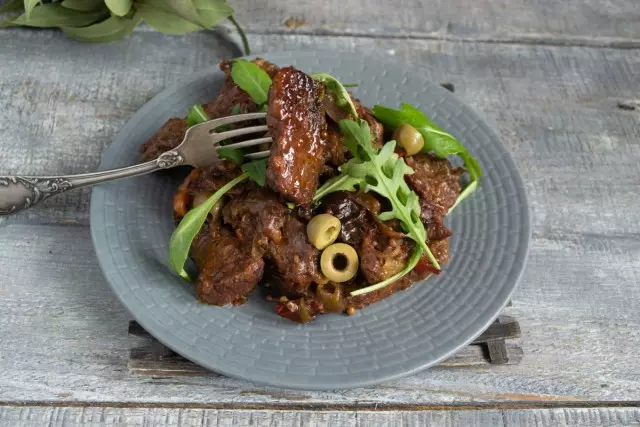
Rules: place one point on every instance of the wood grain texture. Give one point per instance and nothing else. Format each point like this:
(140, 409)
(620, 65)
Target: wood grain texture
(584, 22)
(64, 335)
(170, 417)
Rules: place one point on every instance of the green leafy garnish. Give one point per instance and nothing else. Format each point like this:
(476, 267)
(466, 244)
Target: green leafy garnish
(436, 140)
(383, 172)
(342, 182)
(190, 225)
(97, 20)
(252, 79)
(350, 84)
(256, 170)
(411, 264)
(338, 92)
(197, 115)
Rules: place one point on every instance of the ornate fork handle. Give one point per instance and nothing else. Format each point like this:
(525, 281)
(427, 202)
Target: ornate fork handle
(21, 192)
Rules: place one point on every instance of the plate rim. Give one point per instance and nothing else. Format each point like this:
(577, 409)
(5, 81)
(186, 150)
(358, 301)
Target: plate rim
(157, 330)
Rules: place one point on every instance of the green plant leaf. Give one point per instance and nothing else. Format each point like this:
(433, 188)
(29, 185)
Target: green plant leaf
(234, 154)
(196, 115)
(28, 7)
(212, 12)
(257, 170)
(119, 7)
(190, 225)
(165, 21)
(12, 6)
(342, 182)
(411, 264)
(111, 29)
(436, 140)
(54, 15)
(337, 92)
(252, 79)
(243, 35)
(184, 9)
(83, 5)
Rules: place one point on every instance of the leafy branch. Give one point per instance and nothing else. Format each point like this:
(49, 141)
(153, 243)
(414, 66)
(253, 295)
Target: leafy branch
(101, 21)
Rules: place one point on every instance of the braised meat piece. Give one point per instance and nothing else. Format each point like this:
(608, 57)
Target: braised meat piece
(297, 124)
(168, 137)
(227, 271)
(435, 180)
(172, 132)
(262, 221)
(231, 95)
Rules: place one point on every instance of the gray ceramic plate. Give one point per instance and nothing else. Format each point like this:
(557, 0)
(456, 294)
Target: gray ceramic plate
(131, 222)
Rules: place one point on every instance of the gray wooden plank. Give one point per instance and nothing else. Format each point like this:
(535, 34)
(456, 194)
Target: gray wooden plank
(60, 416)
(556, 108)
(64, 334)
(524, 21)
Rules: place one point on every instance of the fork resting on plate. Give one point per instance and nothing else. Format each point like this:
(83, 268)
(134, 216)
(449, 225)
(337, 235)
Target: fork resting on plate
(198, 148)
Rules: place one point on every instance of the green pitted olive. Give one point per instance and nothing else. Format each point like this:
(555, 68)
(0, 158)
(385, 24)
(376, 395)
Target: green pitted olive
(339, 262)
(409, 138)
(323, 230)
(331, 296)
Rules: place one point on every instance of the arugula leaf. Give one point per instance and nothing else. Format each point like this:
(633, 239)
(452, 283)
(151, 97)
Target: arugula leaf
(383, 172)
(257, 170)
(436, 140)
(411, 264)
(252, 79)
(350, 84)
(342, 182)
(338, 92)
(196, 116)
(190, 225)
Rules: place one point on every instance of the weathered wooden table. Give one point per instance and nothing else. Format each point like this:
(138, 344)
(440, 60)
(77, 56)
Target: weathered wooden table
(559, 80)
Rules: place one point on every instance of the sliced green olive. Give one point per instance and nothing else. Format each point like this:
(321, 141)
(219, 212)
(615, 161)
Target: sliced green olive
(339, 262)
(323, 230)
(331, 296)
(409, 138)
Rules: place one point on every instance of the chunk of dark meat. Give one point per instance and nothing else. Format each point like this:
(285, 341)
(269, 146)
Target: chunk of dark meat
(335, 150)
(211, 179)
(227, 271)
(297, 124)
(435, 180)
(172, 132)
(168, 137)
(437, 183)
(261, 221)
(231, 95)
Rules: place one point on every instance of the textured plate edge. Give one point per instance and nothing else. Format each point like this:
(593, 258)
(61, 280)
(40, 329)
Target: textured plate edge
(158, 330)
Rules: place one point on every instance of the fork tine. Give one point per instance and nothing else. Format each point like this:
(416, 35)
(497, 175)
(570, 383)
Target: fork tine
(212, 124)
(258, 155)
(249, 143)
(241, 131)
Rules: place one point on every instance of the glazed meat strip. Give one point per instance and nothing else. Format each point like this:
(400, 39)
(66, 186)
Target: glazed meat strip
(172, 132)
(296, 121)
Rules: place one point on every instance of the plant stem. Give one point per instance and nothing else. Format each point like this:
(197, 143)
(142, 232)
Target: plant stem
(243, 36)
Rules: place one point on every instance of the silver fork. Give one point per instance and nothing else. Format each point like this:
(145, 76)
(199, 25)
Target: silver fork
(198, 148)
